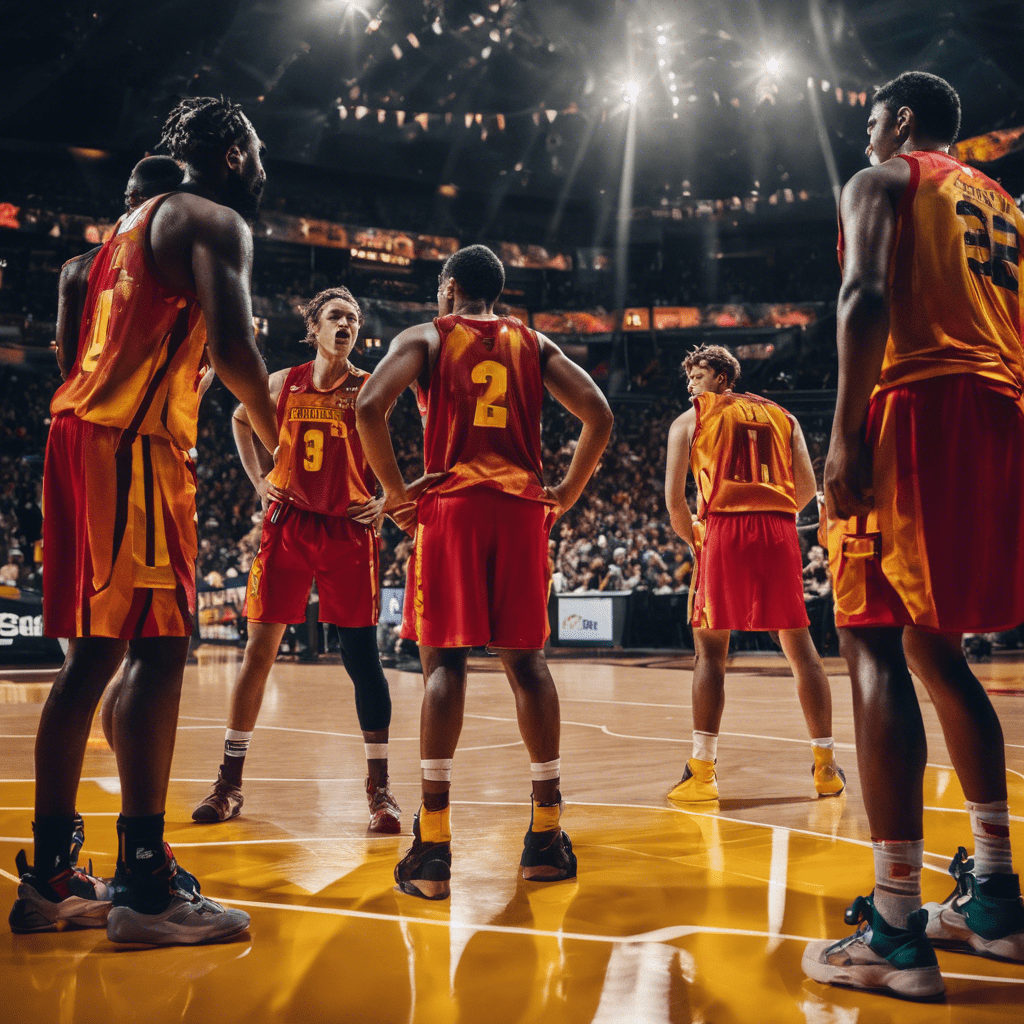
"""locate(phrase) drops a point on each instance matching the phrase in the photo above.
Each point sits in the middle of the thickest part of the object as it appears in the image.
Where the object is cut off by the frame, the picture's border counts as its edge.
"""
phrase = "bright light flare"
(773, 66)
(632, 92)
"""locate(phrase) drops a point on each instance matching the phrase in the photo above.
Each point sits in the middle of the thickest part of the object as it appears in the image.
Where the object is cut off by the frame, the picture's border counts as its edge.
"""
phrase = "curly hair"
(200, 129)
(933, 100)
(716, 358)
(311, 310)
(477, 271)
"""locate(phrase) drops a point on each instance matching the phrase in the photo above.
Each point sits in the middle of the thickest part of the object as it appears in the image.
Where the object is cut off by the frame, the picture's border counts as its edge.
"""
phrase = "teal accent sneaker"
(983, 918)
(878, 957)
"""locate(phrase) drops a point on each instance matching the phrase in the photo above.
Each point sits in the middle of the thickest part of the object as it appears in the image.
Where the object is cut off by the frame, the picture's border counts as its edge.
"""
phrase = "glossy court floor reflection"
(677, 915)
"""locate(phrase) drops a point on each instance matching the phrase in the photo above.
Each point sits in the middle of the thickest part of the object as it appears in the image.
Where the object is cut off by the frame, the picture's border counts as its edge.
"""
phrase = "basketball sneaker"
(384, 810)
(878, 957)
(829, 778)
(187, 919)
(71, 899)
(983, 918)
(426, 869)
(223, 803)
(699, 782)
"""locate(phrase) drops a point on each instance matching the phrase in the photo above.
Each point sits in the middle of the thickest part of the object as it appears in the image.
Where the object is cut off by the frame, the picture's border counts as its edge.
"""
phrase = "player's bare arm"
(408, 359)
(803, 468)
(868, 222)
(677, 465)
(574, 388)
(201, 246)
(71, 292)
(256, 460)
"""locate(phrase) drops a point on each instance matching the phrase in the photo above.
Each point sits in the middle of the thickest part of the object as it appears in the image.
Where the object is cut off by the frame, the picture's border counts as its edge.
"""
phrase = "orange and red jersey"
(741, 455)
(321, 466)
(484, 407)
(142, 347)
(954, 277)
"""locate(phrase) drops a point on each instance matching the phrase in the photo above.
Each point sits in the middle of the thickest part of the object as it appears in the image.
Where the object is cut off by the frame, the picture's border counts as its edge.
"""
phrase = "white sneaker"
(189, 920)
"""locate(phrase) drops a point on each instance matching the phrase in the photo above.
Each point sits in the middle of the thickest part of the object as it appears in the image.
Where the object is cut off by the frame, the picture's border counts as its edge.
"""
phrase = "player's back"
(742, 455)
(142, 347)
(321, 465)
(484, 407)
(955, 275)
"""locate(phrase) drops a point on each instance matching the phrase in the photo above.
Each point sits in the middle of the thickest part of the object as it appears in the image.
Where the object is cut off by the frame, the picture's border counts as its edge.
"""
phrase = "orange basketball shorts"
(749, 573)
(119, 533)
(297, 546)
(478, 574)
(943, 548)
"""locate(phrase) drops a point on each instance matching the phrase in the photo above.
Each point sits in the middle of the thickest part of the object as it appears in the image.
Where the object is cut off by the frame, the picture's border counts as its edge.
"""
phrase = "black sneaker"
(426, 870)
(547, 857)
(71, 899)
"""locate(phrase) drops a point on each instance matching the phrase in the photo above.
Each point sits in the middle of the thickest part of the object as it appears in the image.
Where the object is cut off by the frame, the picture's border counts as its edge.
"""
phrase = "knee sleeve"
(362, 662)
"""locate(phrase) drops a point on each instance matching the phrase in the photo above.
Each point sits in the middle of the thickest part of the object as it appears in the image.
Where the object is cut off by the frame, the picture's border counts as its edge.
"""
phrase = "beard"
(243, 195)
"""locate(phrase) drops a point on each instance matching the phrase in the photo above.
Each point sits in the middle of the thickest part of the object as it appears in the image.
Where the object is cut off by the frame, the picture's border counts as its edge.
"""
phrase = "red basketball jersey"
(483, 407)
(321, 466)
(142, 347)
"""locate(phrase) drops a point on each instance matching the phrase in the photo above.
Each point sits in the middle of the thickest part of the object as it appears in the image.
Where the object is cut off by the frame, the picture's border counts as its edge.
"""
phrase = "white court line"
(659, 935)
(952, 810)
(344, 735)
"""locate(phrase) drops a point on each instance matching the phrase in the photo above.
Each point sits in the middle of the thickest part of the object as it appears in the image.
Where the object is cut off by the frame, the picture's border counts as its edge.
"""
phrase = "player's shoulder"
(890, 177)
(684, 421)
(203, 216)
(79, 266)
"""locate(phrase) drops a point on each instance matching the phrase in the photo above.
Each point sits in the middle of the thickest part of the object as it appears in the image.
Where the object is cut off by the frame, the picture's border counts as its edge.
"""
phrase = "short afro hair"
(201, 129)
(933, 100)
(477, 271)
(716, 358)
(154, 175)
(311, 310)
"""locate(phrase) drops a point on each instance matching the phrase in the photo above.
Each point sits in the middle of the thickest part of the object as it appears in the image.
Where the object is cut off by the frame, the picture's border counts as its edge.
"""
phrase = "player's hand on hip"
(367, 512)
(848, 489)
(561, 499)
(418, 486)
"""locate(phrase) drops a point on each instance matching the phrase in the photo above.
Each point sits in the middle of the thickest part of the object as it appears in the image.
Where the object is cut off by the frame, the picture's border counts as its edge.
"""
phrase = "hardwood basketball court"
(689, 915)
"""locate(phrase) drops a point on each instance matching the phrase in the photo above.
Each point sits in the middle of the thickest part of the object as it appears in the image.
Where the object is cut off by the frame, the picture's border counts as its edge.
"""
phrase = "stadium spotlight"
(774, 66)
(632, 92)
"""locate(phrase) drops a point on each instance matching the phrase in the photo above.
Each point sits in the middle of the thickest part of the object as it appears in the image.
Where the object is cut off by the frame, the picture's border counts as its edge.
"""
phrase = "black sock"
(1001, 887)
(231, 770)
(52, 845)
(141, 852)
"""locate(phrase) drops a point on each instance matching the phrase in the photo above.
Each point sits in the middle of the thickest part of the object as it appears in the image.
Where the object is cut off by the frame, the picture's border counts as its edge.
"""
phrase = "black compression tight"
(362, 662)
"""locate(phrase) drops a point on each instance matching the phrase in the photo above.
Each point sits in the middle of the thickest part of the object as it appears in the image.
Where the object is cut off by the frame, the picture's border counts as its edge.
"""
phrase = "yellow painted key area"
(695, 914)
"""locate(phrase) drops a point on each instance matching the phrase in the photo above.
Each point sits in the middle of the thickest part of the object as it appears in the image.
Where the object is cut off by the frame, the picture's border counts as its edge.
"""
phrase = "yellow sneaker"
(829, 779)
(698, 782)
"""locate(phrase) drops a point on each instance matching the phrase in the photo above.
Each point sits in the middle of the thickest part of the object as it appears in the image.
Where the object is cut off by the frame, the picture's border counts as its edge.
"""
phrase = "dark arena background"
(654, 176)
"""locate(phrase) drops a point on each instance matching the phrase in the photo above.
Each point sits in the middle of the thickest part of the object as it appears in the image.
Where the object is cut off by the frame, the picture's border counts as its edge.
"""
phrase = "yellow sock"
(545, 819)
(823, 755)
(436, 826)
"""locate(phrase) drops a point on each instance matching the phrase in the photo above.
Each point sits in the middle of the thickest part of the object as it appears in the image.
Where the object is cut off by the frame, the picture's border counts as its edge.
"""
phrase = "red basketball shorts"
(297, 546)
(943, 548)
(749, 573)
(478, 574)
(119, 533)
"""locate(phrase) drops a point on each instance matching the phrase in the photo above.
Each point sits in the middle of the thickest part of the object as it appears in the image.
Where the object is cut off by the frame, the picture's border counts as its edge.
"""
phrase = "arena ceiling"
(724, 97)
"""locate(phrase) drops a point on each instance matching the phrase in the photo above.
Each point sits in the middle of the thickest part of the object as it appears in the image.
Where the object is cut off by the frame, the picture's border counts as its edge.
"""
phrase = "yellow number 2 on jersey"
(314, 459)
(495, 376)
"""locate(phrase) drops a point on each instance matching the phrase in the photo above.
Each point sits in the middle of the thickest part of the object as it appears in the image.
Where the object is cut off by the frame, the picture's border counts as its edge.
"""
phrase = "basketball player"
(928, 417)
(319, 522)
(152, 176)
(478, 575)
(119, 532)
(753, 473)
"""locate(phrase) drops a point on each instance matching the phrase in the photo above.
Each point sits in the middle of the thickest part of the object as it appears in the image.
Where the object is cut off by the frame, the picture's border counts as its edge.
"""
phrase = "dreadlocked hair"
(311, 310)
(201, 129)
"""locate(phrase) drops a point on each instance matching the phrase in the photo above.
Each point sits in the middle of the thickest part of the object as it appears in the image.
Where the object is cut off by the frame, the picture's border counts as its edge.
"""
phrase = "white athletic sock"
(898, 879)
(990, 824)
(236, 743)
(376, 751)
(705, 745)
(826, 743)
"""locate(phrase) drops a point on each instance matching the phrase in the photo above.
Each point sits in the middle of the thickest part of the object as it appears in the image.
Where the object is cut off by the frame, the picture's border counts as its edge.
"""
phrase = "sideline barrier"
(21, 629)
